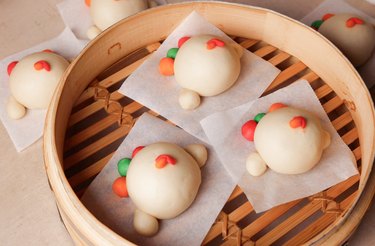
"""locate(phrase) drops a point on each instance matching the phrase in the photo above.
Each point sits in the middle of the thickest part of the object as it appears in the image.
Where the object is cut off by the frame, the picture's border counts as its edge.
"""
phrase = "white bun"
(163, 192)
(34, 88)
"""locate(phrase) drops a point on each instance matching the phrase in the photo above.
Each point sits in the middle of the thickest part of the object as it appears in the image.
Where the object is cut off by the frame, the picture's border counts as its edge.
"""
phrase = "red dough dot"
(48, 51)
(119, 187)
(11, 66)
(136, 150)
(298, 121)
(182, 41)
(327, 16)
(276, 106)
(248, 130)
(166, 66)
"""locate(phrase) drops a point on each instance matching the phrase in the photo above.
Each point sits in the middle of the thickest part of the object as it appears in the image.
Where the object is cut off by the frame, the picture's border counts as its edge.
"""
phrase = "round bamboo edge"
(56, 173)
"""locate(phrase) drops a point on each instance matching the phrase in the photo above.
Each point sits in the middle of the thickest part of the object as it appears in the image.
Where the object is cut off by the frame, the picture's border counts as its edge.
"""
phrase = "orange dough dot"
(160, 164)
(350, 23)
(211, 45)
(276, 106)
(88, 3)
(119, 187)
(38, 66)
(166, 66)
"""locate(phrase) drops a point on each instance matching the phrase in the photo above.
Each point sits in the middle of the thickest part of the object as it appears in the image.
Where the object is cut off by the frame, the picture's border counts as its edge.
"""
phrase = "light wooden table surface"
(28, 214)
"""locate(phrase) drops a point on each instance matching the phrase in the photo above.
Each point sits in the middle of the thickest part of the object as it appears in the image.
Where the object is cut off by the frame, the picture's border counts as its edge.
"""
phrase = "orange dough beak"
(162, 160)
(298, 121)
(353, 21)
(212, 43)
(42, 64)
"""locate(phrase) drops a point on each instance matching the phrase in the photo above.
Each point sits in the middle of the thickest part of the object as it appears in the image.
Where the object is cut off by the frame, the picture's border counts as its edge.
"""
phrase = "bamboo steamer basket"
(88, 119)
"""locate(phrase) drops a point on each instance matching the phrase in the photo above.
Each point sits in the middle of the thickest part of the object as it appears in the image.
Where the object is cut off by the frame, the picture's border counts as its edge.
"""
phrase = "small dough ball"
(189, 100)
(34, 79)
(92, 32)
(255, 165)
(207, 71)
(105, 13)
(356, 42)
(15, 109)
(145, 224)
(199, 152)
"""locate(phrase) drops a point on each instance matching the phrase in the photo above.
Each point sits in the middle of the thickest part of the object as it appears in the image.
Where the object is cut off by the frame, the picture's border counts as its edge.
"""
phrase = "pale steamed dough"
(357, 42)
(189, 99)
(198, 152)
(285, 149)
(255, 165)
(105, 13)
(163, 193)
(208, 72)
(33, 88)
(145, 224)
(15, 109)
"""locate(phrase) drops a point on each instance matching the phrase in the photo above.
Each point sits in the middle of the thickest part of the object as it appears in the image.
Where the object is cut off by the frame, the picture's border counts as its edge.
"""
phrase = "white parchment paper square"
(29, 129)
(190, 227)
(76, 15)
(271, 189)
(160, 93)
(367, 70)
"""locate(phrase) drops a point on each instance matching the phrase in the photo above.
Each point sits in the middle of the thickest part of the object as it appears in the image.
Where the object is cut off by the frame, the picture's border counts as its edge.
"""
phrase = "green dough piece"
(172, 53)
(258, 117)
(316, 24)
(123, 166)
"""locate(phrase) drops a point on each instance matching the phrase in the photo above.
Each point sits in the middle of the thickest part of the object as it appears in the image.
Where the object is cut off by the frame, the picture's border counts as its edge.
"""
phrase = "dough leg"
(15, 109)
(255, 165)
(189, 99)
(92, 32)
(145, 224)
